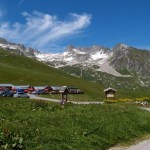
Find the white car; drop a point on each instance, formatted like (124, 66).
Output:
(21, 94)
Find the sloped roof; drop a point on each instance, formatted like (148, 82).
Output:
(6, 85)
(20, 86)
(110, 89)
(56, 87)
(40, 87)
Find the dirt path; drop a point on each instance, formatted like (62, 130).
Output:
(143, 145)
(32, 96)
(148, 109)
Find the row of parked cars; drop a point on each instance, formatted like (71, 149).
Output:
(20, 93)
(8, 93)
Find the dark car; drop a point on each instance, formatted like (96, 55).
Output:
(38, 92)
(1, 92)
(7, 94)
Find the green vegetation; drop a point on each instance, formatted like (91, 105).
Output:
(132, 93)
(124, 71)
(108, 80)
(34, 125)
(143, 99)
(74, 97)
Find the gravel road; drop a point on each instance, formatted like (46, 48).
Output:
(32, 96)
(143, 145)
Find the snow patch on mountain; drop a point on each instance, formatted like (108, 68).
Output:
(7, 46)
(75, 56)
(77, 51)
(99, 55)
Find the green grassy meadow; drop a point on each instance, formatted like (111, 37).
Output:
(33, 125)
(72, 97)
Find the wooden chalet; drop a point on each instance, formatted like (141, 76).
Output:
(110, 93)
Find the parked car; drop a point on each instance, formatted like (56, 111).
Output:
(39, 92)
(21, 94)
(1, 92)
(20, 90)
(7, 93)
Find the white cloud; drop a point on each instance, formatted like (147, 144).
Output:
(43, 30)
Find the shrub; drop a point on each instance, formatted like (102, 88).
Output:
(127, 100)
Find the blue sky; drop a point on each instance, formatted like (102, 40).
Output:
(51, 25)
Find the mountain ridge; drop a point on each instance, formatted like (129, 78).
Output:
(96, 63)
(18, 48)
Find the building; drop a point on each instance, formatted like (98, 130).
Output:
(6, 86)
(45, 89)
(71, 90)
(20, 88)
(56, 89)
(110, 93)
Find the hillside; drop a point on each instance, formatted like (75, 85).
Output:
(17, 69)
(122, 67)
(134, 61)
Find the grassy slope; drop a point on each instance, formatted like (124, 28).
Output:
(47, 126)
(17, 69)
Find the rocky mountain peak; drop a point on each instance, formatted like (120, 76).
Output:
(87, 50)
(17, 48)
(3, 41)
(120, 47)
(70, 50)
(97, 48)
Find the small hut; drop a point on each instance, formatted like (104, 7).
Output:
(110, 93)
